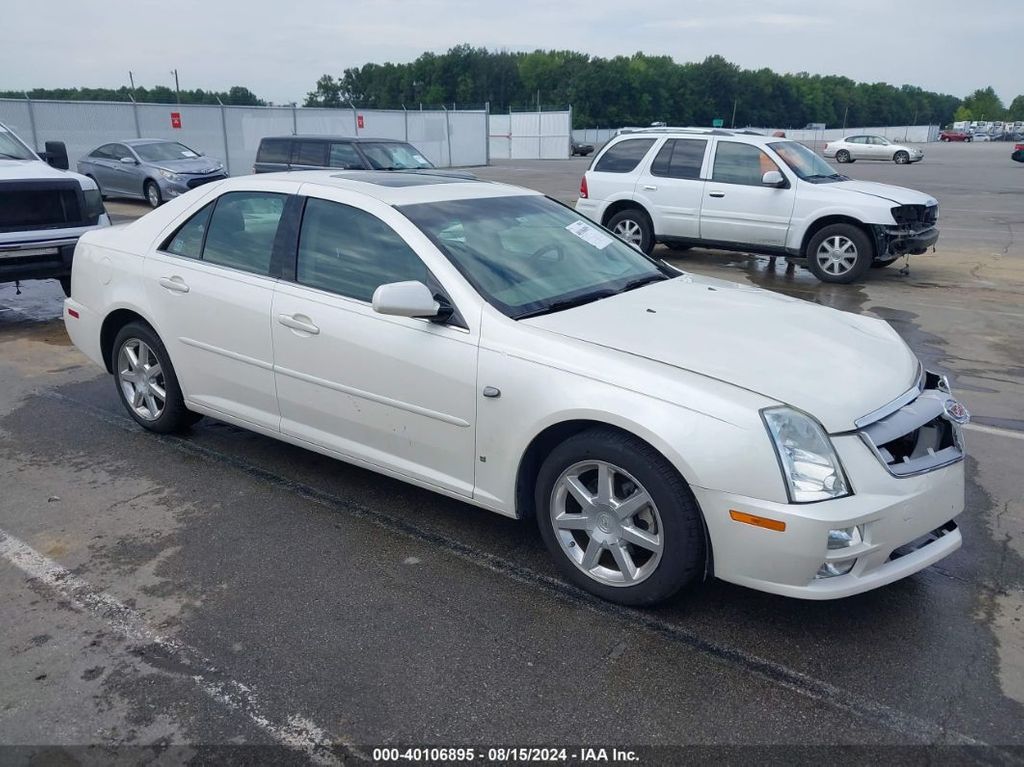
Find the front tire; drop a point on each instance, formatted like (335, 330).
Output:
(901, 158)
(153, 196)
(840, 253)
(618, 519)
(146, 383)
(633, 226)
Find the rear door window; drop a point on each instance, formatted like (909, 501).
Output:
(242, 230)
(310, 153)
(344, 155)
(680, 158)
(275, 150)
(624, 156)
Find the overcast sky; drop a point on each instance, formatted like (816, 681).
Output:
(279, 49)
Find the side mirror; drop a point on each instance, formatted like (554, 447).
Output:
(128, 160)
(408, 299)
(56, 155)
(773, 178)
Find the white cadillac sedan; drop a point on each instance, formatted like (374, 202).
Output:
(853, 148)
(488, 343)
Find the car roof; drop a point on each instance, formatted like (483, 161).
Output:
(323, 137)
(748, 137)
(143, 141)
(392, 187)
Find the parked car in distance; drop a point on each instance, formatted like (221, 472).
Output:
(981, 136)
(44, 209)
(488, 343)
(578, 148)
(954, 135)
(853, 148)
(719, 189)
(150, 169)
(281, 153)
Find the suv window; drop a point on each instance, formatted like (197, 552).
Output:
(275, 150)
(349, 252)
(188, 240)
(242, 230)
(624, 156)
(680, 158)
(310, 153)
(741, 163)
(345, 156)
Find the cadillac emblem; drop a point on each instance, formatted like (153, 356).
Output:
(956, 412)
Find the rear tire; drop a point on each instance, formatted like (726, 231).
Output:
(146, 382)
(639, 556)
(633, 226)
(842, 156)
(153, 196)
(839, 254)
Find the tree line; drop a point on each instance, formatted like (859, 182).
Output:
(237, 95)
(640, 89)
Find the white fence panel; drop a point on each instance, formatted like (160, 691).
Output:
(327, 122)
(499, 137)
(15, 115)
(469, 142)
(530, 136)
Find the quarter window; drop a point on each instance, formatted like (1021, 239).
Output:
(275, 150)
(347, 251)
(188, 240)
(242, 230)
(741, 163)
(680, 158)
(624, 156)
(345, 156)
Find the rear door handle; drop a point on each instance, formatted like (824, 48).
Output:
(298, 322)
(174, 284)
(716, 194)
(650, 188)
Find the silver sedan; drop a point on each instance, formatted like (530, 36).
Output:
(154, 170)
(853, 148)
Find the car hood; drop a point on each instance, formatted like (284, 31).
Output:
(26, 170)
(898, 194)
(190, 165)
(834, 365)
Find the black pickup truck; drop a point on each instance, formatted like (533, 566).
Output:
(44, 209)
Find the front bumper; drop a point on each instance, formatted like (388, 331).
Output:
(890, 513)
(183, 183)
(897, 242)
(42, 254)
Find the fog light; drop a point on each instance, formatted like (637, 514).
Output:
(843, 538)
(832, 569)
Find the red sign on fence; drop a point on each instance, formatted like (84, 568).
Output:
(359, 122)
(175, 119)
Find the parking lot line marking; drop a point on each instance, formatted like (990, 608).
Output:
(995, 430)
(803, 684)
(296, 732)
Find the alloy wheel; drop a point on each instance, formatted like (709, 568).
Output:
(606, 523)
(142, 379)
(836, 255)
(629, 231)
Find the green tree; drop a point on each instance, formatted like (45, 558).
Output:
(1016, 109)
(985, 104)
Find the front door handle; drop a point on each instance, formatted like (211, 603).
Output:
(175, 284)
(650, 188)
(298, 322)
(716, 194)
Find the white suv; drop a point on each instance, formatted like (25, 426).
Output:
(737, 191)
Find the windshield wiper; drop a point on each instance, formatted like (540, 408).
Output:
(640, 282)
(567, 303)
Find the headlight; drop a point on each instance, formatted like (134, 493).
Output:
(169, 175)
(809, 464)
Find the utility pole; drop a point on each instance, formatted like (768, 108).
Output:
(131, 79)
(177, 89)
(847, 112)
(734, 103)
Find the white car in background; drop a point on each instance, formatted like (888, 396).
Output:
(754, 194)
(488, 343)
(864, 147)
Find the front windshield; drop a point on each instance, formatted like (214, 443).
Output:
(529, 255)
(164, 151)
(804, 162)
(394, 156)
(11, 147)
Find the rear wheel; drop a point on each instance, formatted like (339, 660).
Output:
(153, 196)
(633, 226)
(843, 156)
(840, 253)
(146, 383)
(901, 158)
(618, 519)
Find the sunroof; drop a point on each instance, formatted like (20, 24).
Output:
(402, 178)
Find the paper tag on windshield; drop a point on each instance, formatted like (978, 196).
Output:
(189, 153)
(589, 234)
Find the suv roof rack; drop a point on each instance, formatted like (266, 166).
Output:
(669, 129)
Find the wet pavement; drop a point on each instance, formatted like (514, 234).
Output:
(222, 587)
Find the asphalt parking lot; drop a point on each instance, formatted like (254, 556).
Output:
(224, 588)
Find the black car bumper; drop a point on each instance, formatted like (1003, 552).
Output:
(894, 241)
(36, 261)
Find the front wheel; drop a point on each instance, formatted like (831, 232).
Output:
(146, 383)
(633, 226)
(901, 158)
(153, 196)
(840, 253)
(618, 519)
